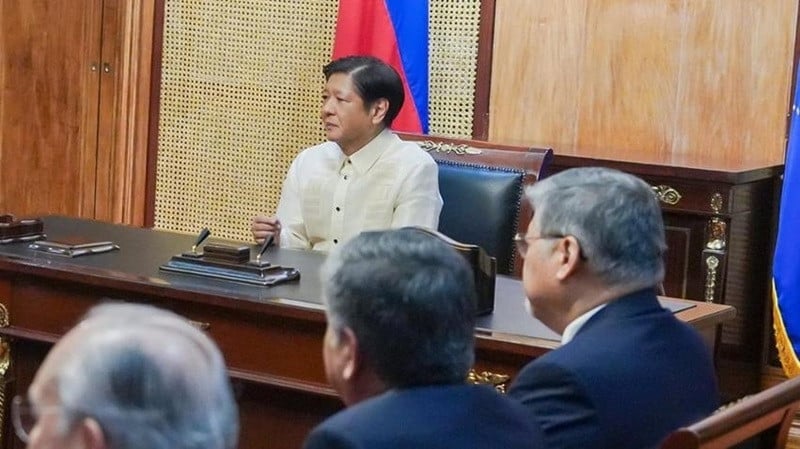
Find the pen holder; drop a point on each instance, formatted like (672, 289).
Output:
(261, 263)
(192, 255)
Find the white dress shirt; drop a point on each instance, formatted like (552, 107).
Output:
(328, 198)
(576, 324)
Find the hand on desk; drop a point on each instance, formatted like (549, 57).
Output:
(263, 227)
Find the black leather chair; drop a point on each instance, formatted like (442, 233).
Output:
(482, 185)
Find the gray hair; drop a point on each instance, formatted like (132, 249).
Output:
(410, 300)
(615, 217)
(150, 379)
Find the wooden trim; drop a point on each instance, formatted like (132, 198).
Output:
(283, 383)
(768, 413)
(90, 120)
(483, 79)
(136, 120)
(742, 176)
(124, 114)
(155, 95)
(29, 334)
(279, 382)
(111, 66)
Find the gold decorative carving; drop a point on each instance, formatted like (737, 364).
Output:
(716, 202)
(443, 147)
(716, 229)
(498, 381)
(667, 194)
(712, 264)
(5, 365)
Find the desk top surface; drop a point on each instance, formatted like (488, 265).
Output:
(142, 251)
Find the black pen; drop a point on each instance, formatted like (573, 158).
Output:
(204, 233)
(267, 244)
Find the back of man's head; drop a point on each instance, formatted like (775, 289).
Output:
(410, 301)
(615, 217)
(147, 377)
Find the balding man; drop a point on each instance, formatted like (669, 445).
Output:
(130, 377)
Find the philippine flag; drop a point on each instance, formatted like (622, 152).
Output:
(785, 264)
(395, 31)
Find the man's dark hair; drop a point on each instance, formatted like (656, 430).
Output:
(410, 300)
(373, 80)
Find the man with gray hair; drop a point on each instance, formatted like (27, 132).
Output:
(130, 377)
(628, 372)
(401, 314)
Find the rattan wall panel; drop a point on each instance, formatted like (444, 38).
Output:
(240, 94)
(240, 90)
(453, 48)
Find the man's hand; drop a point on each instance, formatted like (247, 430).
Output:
(263, 227)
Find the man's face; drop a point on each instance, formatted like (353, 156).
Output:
(344, 117)
(47, 412)
(333, 360)
(538, 277)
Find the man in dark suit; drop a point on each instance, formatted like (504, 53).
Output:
(628, 372)
(400, 306)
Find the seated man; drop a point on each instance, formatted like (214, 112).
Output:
(130, 377)
(628, 372)
(364, 177)
(400, 306)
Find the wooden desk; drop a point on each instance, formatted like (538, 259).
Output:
(271, 337)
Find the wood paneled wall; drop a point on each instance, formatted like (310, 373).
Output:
(47, 157)
(680, 82)
(74, 107)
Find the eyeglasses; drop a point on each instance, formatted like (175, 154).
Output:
(24, 416)
(522, 242)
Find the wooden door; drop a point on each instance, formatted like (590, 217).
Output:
(49, 74)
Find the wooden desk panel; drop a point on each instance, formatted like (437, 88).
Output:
(271, 337)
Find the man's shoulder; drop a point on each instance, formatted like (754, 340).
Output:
(325, 156)
(408, 152)
(323, 149)
(417, 412)
(612, 337)
(622, 320)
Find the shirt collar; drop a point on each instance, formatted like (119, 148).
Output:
(575, 326)
(366, 157)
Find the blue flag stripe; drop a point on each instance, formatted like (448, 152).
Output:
(410, 20)
(786, 269)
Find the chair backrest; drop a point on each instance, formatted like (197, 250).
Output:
(767, 415)
(484, 268)
(483, 185)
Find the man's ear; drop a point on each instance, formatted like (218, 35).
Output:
(569, 253)
(348, 345)
(92, 434)
(378, 110)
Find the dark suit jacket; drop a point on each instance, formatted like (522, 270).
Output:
(431, 417)
(632, 374)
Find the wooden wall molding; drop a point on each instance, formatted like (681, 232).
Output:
(122, 179)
